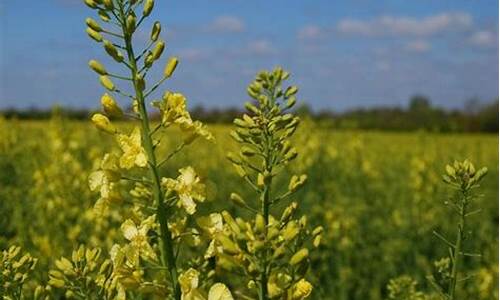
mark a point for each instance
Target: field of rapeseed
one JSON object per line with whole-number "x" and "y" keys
{"x": 262, "y": 209}
{"x": 379, "y": 197}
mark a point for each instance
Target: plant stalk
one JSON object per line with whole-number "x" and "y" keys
{"x": 166, "y": 243}
{"x": 458, "y": 246}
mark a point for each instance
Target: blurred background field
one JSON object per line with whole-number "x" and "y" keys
{"x": 378, "y": 194}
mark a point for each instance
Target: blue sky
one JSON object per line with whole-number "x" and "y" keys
{"x": 342, "y": 54}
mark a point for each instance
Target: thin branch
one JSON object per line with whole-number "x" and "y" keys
{"x": 442, "y": 238}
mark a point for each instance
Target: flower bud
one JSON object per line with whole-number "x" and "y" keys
{"x": 155, "y": 32}
{"x": 104, "y": 16}
{"x": 231, "y": 222}
{"x": 141, "y": 84}
{"x": 288, "y": 212}
{"x": 131, "y": 23}
{"x": 93, "y": 24}
{"x": 290, "y": 91}
{"x": 158, "y": 49}
{"x": 112, "y": 51}
{"x": 148, "y": 7}
{"x": 247, "y": 151}
{"x": 237, "y": 199}
{"x": 97, "y": 67}
{"x": 148, "y": 61}
{"x": 108, "y": 4}
{"x": 301, "y": 290}
{"x": 296, "y": 182}
{"x": 110, "y": 106}
{"x": 90, "y": 3}
{"x": 228, "y": 245}
{"x": 299, "y": 256}
{"x": 260, "y": 224}
{"x": 107, "y": 83}
{"x": 171, "y": 66}
{"x": 96, "y": 36}
{"x": 291, "y": 102}
{"x": 102, "y": 123}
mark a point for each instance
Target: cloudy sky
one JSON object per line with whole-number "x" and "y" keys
{"x": 343, "y": 54}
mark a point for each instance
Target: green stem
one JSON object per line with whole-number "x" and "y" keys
{"x": 458, "y": 247}
{"x": 166, "y": 242}
{"x": 266, "y": 204}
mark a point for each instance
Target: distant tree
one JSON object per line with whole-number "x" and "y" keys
{"x": 420, "y": 103}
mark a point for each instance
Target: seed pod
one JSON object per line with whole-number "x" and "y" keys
{"x": 96, "y": 36}
{"x": 90, "y": 3}
{"x": 148, "y": 7}
{"x": 155, "y": 32}
{"x": 107, "y": 83}
{"x": 108, "y": 4}
{"x": 158, "y": 49}
{"x": 93, "y": 24}
{"x": 104, "y": 16}
{"x": 102, "y": 123}
{"x": 131, "y": 23}
{"x": 299, "y": 256}
{"x": 97, "y": 67}
{"x": 171, "y": 66}
{"x": 110, "y": 106}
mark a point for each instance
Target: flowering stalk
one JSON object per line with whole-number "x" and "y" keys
{"x": 464, "y": 178}
{"x": 139, "y": 151}
{"x": 167, "y": 249}
{"x": 271, "y": 252}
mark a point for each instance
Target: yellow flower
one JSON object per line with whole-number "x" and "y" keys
{"x": 189, "y": 285}
{"x": 105, "y": 180}
{"x": 173, "y": 107}
{"x": 194, "y": 130}
{"x": 219, "y": 291}
{"x": 133, "y": 153}
{"x": 139, "y": 245}
{"x": 188, "y": 188}
{"x": 301, "y": 290}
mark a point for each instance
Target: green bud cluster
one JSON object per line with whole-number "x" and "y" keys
{"x": 15, "y": 269}
{"x": 273, "y": 252}
{"x": 464, "y": 178}
{"x": 85, "y": 273}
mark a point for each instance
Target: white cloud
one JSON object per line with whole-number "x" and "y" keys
{"x": 419, "y": 46}
{"x": 227, "y": 24}
{"x": 309, "y": 32}
{"x": 484, "y": 38}
{"x": 193, "y": 54}
{"x": 260, "y": 47}
{"x": 406, "y": 26}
